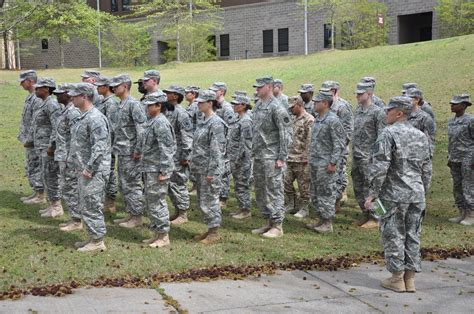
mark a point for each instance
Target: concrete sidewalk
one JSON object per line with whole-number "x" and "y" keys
{"x": 443, "y": 287}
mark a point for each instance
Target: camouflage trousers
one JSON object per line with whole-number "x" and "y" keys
{"x": 400, "y": 228}
{"x": 68, "y": 182}
{"x": 269, "y": 190}
{"x": 50, "y": 176}
{"x": 323, "y": 192}
{"x": 342, "y": 180}
{"x": 299, "y": 172}
{"x": 155, "y": 201}
{"x": 130, "y": 184}
{"x": 360, "y": 181}
{"x": 178, "y": 191}
{"x": 91, "y": 203}
{"x": 463, "y": 186}
{"x": 33, "y": 169}
{"x": 241, "y": 172}
{"x": 225, "y": 179}
{"x": 208, "y": 199}
{"x": 111, "y": 186}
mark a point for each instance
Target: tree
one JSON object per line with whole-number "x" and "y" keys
{"x": 456, "y": 17}
{"x": 186, "y": 23}
{"x": 334, "y": 8}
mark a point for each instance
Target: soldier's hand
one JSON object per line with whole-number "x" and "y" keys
{"x": 184, "y": 162}
{"x": 162, "y": 178}
{"x": 50, "y": 151}
{"x": 331, "y": 168}
{"x": 279, "y": 164}
{"x": 368, "y": 202}
{"x": 86, "y": 174}
{"x": 136, "y": 156}
{"x": 209, "y": 179}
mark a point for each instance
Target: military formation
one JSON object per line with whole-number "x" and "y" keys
{"x": 85, "y": 142}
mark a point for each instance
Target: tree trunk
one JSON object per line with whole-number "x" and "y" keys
{"x": 178, "y": 47}
{"x": 332, "y": 35}
{"x": 61, "y": 52}
{"x": 5, "y": 49}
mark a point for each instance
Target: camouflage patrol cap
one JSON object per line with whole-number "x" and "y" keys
{"x": 90, "y": 73}
{"x": 148, "y": 74}
{"x": 368, "y": 79}
{"x": 102, "y": 80}
{"x": 295, "y": 100}
{"x": 45, "y": 82}
{"x": 277, "y": 82}
{"x": 462, "y": 98}
{"x": 241, "y": 99}
{"x": 407, "y": 86}
{"x": 323, "y": 96}
{"x": 330, "y": 85}
{"x": 174, "y": 89}
{"x": 206, "y": 95}
{"x": 400, "y": 102}
{"x": 363, "y": 88}
{"x": 29, "y": 74}
{"x": 81, "y": 89}
{"x": 193, "y": 89}
{"x": 155, "y": 98}
{"x": 306, "y": 88}
{"x": 239, "y": 93}
{"x": 261, "y": 81}
{"x": 63, "y": 88}
{"x": 414, "y": 92}
{"x": 218, "y": 86}
{"x": 120, "y": 79}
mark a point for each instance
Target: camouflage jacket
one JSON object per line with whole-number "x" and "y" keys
{"x": 31, "y": 103}
{"x": 298, "y": 151}
{"x": 45, "y": 117}
{"x": 109, "y": 107}
{"x": 209, "y": 145}
{"x": 368, "y": 124}
{"x": 129, "y": 120}
{"x": 68, "y": 117}
{"x": 342, "y": 108}
{"x": 426, "y": 107}
{"x": 158, "y": 146}
{"x": 328, "y": 140}
{"x": 423, "y": 122}
{"x": 196, "y": 116}
{"x": 183, "y": 130}
{"x": 90, "y": 142}
{"x": 226, "y": 113}
{"x": 400, "y": 170}
{"x": 270, "y": 131}
{"x": 378, "y": 101}
{"x": 283, "y": 99}
{"x": 309, "y": 107}
{"x": 461, "y": 139}
{"x": 239, "y": 144}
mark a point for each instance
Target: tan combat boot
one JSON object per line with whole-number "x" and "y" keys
{"x": 370, "y": 224}
{"x": 314, "y": 224}
{"x": 93, "y": 245}
{"x": 324, "y": 227}
{"x": 276, "y": 231}
{"x": 212, "y": 236}
{"x": 344, "y": 197}
{"x": 80, "y": 244}
{"x": 182, "y": 218}
{"x": 409, "y": 279}
{"x": 134, "y": 221}
{"x": 72, "y": 226}
{"x": 395, "y": 283}
{"x": 242, "y": 214}
{"x": 468, "y": 220}
{"x": 25, "y": 198}
{"x": 56, "y": 210}
{"x": 161, "y": 240}
{"x": 223, "y": 203}
{"x": 338, "y": 205}
{"x": 45, "y": 210}
{"x": 263, "y": 229}
{"x": 120, "y": 220}
{"x": 109, "y": 206}
{"x": 363, "y": 220}
{"x": 459, "y": 218}
{"x": 302, "y": 213}
{"x": 40, "y": 198}
{"x": 152, "y": 239}
{"x": 201, "y": 236}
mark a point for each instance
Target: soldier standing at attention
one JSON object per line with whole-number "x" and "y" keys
{"x": 207, "y": 165}
{"x": 151, "y": 81}
{"x": 306, "y": 92}
{"x": 298, "y": 167}
{"x": 183, "y": 130}
{"x": 91, "y": 76}
{"x": 369, "y": 120}
{"x": 130, "y": 118}
{"x": 239, "y": 150}
{"x": 461, "y": 158}
{"x": 376, "y": 100}
{"x": 425, "y": 106}
{"x": 278, "y": 92}
{"x": 25, "y": 136}
{"x": 190, "y": 94}
{"x": 399, "y": 179}
{"x": 157, "y": 148}
{"x": 269, "y": 152}
{"x": 90, "y": 155}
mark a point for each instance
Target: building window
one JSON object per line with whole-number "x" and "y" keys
{"x": 125, "y": 5}
{"x": 283, "y": 39}
{"x": 44, "y": 44}
{"x": 268, "y": 41}
{"x": 113, "y": 5}
{"x": 225, "y": 49}
{"x": 327, "y": 35}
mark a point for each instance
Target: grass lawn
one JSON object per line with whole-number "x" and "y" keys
{"x": 35, "y": 252}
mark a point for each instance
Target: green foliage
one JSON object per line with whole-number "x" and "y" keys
{"x": 456, "y": 17}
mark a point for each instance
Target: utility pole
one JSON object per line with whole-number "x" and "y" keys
{"x": 305, "y": 27}
{"x": 99, "y": 36}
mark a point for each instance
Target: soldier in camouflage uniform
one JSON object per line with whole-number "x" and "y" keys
{"x": 239, "y": 150}
{"x": 328, "y": 142}
{"x": 461, "y": 158}
{"x": 141, "y": 88}
{"x": 157, "y": 148}
{"x": 375, "y": 100}
{"x": 91, "y": 76}
{"x": 369, "y": 120}
{"x": 183, "y": 130}
{"x": 68, "y": 176}
{"x": 399, "y": 178}
{"x": 306, "y": 92}
{"x": 278, "y": 92}
{"x": 269, "y": 151}
{"x": 90, "y": 155}
{"x": 108, "y": 106}
{"x": 129, "y": 120}
{"x": 190, "y": 94}
{"x": 207, "y": 164}
{"x": 298, "y": 167}
{"x": 151, "y": 81}
{"x": 343, "y": 109}
{"x": 25, "y": 136}
{"x": 425, "y": 105}
{"x": 45, "y": 118}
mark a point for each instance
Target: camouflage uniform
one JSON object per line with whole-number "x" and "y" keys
{"x": 375, "y": 100}
{"x": 308, "y": 106}
{"x": 399, "y": 178}
{"x": 90, "y": 150}
{"x": 283, "y": 99}
{"x": 378, "y": 102}
{"x": 207, "y": 160}
{"x": 425, "y": 106}
{"x": 368, "y": 124}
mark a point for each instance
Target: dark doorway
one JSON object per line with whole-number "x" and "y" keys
{"x": 162, "y": 47}
{"x": 415, "y": 27}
